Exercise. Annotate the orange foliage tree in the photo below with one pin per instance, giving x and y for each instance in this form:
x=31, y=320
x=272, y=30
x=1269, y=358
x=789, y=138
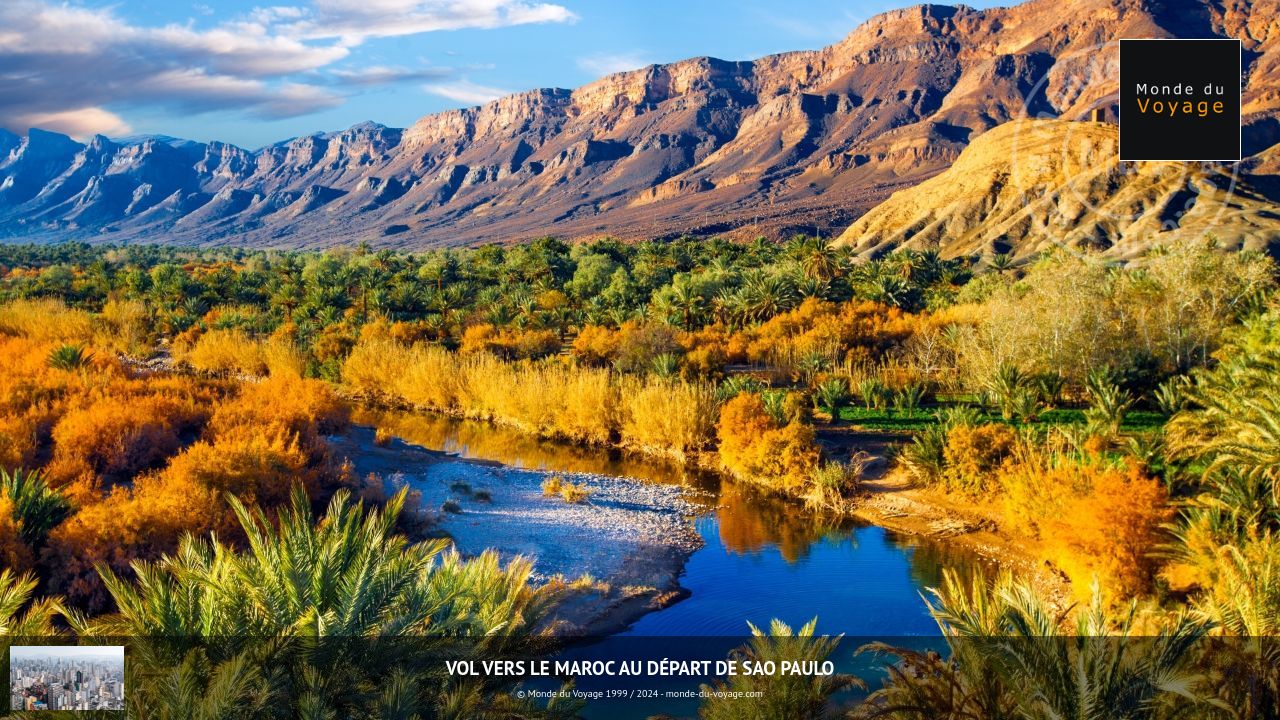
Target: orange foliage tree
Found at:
x=974, y=452
x=754, y=447
x=1111, y=532
x=256, y=444
x=853, y=331
x=595, y=346
x=1094, y=519
x=113, y=439
x=128, y=524
x=509, y=343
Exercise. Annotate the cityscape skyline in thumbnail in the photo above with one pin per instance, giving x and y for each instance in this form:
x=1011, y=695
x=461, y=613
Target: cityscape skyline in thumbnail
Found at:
x=66, y=678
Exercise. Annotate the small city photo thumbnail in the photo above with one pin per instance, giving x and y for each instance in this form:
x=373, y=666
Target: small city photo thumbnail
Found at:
x=66, y=677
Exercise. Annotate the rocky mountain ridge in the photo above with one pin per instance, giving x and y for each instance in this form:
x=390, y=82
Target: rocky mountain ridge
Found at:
x=1032, y=185
x=801, y=141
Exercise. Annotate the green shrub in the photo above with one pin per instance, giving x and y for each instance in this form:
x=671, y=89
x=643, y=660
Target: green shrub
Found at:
x=37, y=507
x=69, y=357
x=1108, y=402
x=908, y=399
x=833, y=482
x=830, y=395
x=874, y=394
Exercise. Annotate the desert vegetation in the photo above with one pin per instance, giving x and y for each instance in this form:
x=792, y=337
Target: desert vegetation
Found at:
x=1116, y=422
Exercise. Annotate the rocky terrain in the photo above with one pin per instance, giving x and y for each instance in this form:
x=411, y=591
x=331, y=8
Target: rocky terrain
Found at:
x=626, y=544
x=1029, y=185
x=801, y=141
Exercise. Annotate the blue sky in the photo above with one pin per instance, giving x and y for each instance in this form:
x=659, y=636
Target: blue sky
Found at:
x=252, y=73
x=66, y=651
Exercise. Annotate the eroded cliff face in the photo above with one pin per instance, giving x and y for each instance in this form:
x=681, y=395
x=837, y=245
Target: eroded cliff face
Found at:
x=797, y=141
x=1032, y=185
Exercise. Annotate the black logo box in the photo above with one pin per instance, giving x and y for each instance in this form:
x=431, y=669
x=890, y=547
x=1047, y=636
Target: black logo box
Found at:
x=1189, y=64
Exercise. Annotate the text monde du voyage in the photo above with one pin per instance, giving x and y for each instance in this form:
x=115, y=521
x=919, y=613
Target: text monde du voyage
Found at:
x=1180, y=99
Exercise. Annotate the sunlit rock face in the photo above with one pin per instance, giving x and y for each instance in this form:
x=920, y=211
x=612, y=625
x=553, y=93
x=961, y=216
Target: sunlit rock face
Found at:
x=803, y=141
x=1031, y=186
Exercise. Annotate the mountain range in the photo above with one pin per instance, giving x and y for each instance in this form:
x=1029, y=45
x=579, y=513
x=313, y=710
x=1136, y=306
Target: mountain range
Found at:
x=805, y=141
x=1030, y=185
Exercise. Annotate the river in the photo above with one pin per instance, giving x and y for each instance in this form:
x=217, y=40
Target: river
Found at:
x=761, y=558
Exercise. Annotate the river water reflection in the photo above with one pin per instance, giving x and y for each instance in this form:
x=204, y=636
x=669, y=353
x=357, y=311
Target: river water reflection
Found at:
x=763, y=558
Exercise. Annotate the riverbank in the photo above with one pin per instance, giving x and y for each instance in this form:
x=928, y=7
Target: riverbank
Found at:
x=886, y=497
x=619, y=553
x=891, y=502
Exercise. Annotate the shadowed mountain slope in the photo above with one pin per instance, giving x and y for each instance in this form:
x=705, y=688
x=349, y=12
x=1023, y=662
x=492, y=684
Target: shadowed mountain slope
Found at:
x=1031, y=184
x=800, y=141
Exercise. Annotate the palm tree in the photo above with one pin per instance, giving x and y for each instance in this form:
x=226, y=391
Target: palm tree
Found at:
x=1100, y=671
x=617, y=316
x=1243, y=602
x=1230, y=422
x=766, y=295
x=819, y=259
x=666, y=365
x=1001, y=263
x=1010, y=658
x=20, y=615
x=363, y=278
x=1236, y=420
x=403, y=296
x=908, y=399
x=922, y=685
x=1246, y=598
x=69, y=357
x=1008, y=389
x=830, y=395
x=196, y=689
x=1108, y=402
x=909, y=264
x=877, y=281
x=727, y=305
x=1170, y=396
x=347, y=575
x=288, y=295
x=931, y=264
x=681, y=302
x=36, y=506
x=760, y=251
x=790, y=696
x=811, y=288
x=325, y=610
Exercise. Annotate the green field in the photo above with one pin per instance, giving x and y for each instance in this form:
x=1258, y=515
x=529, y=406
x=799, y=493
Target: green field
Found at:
x=894, y=420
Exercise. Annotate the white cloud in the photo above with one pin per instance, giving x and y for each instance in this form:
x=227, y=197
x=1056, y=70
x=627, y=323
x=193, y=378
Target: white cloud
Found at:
x=78, y=66
x=355, y=20
x=79, y=123
x=66, y=65
x=384, y=74
x=242, y=49
x=465, y=91
x=609, y=63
